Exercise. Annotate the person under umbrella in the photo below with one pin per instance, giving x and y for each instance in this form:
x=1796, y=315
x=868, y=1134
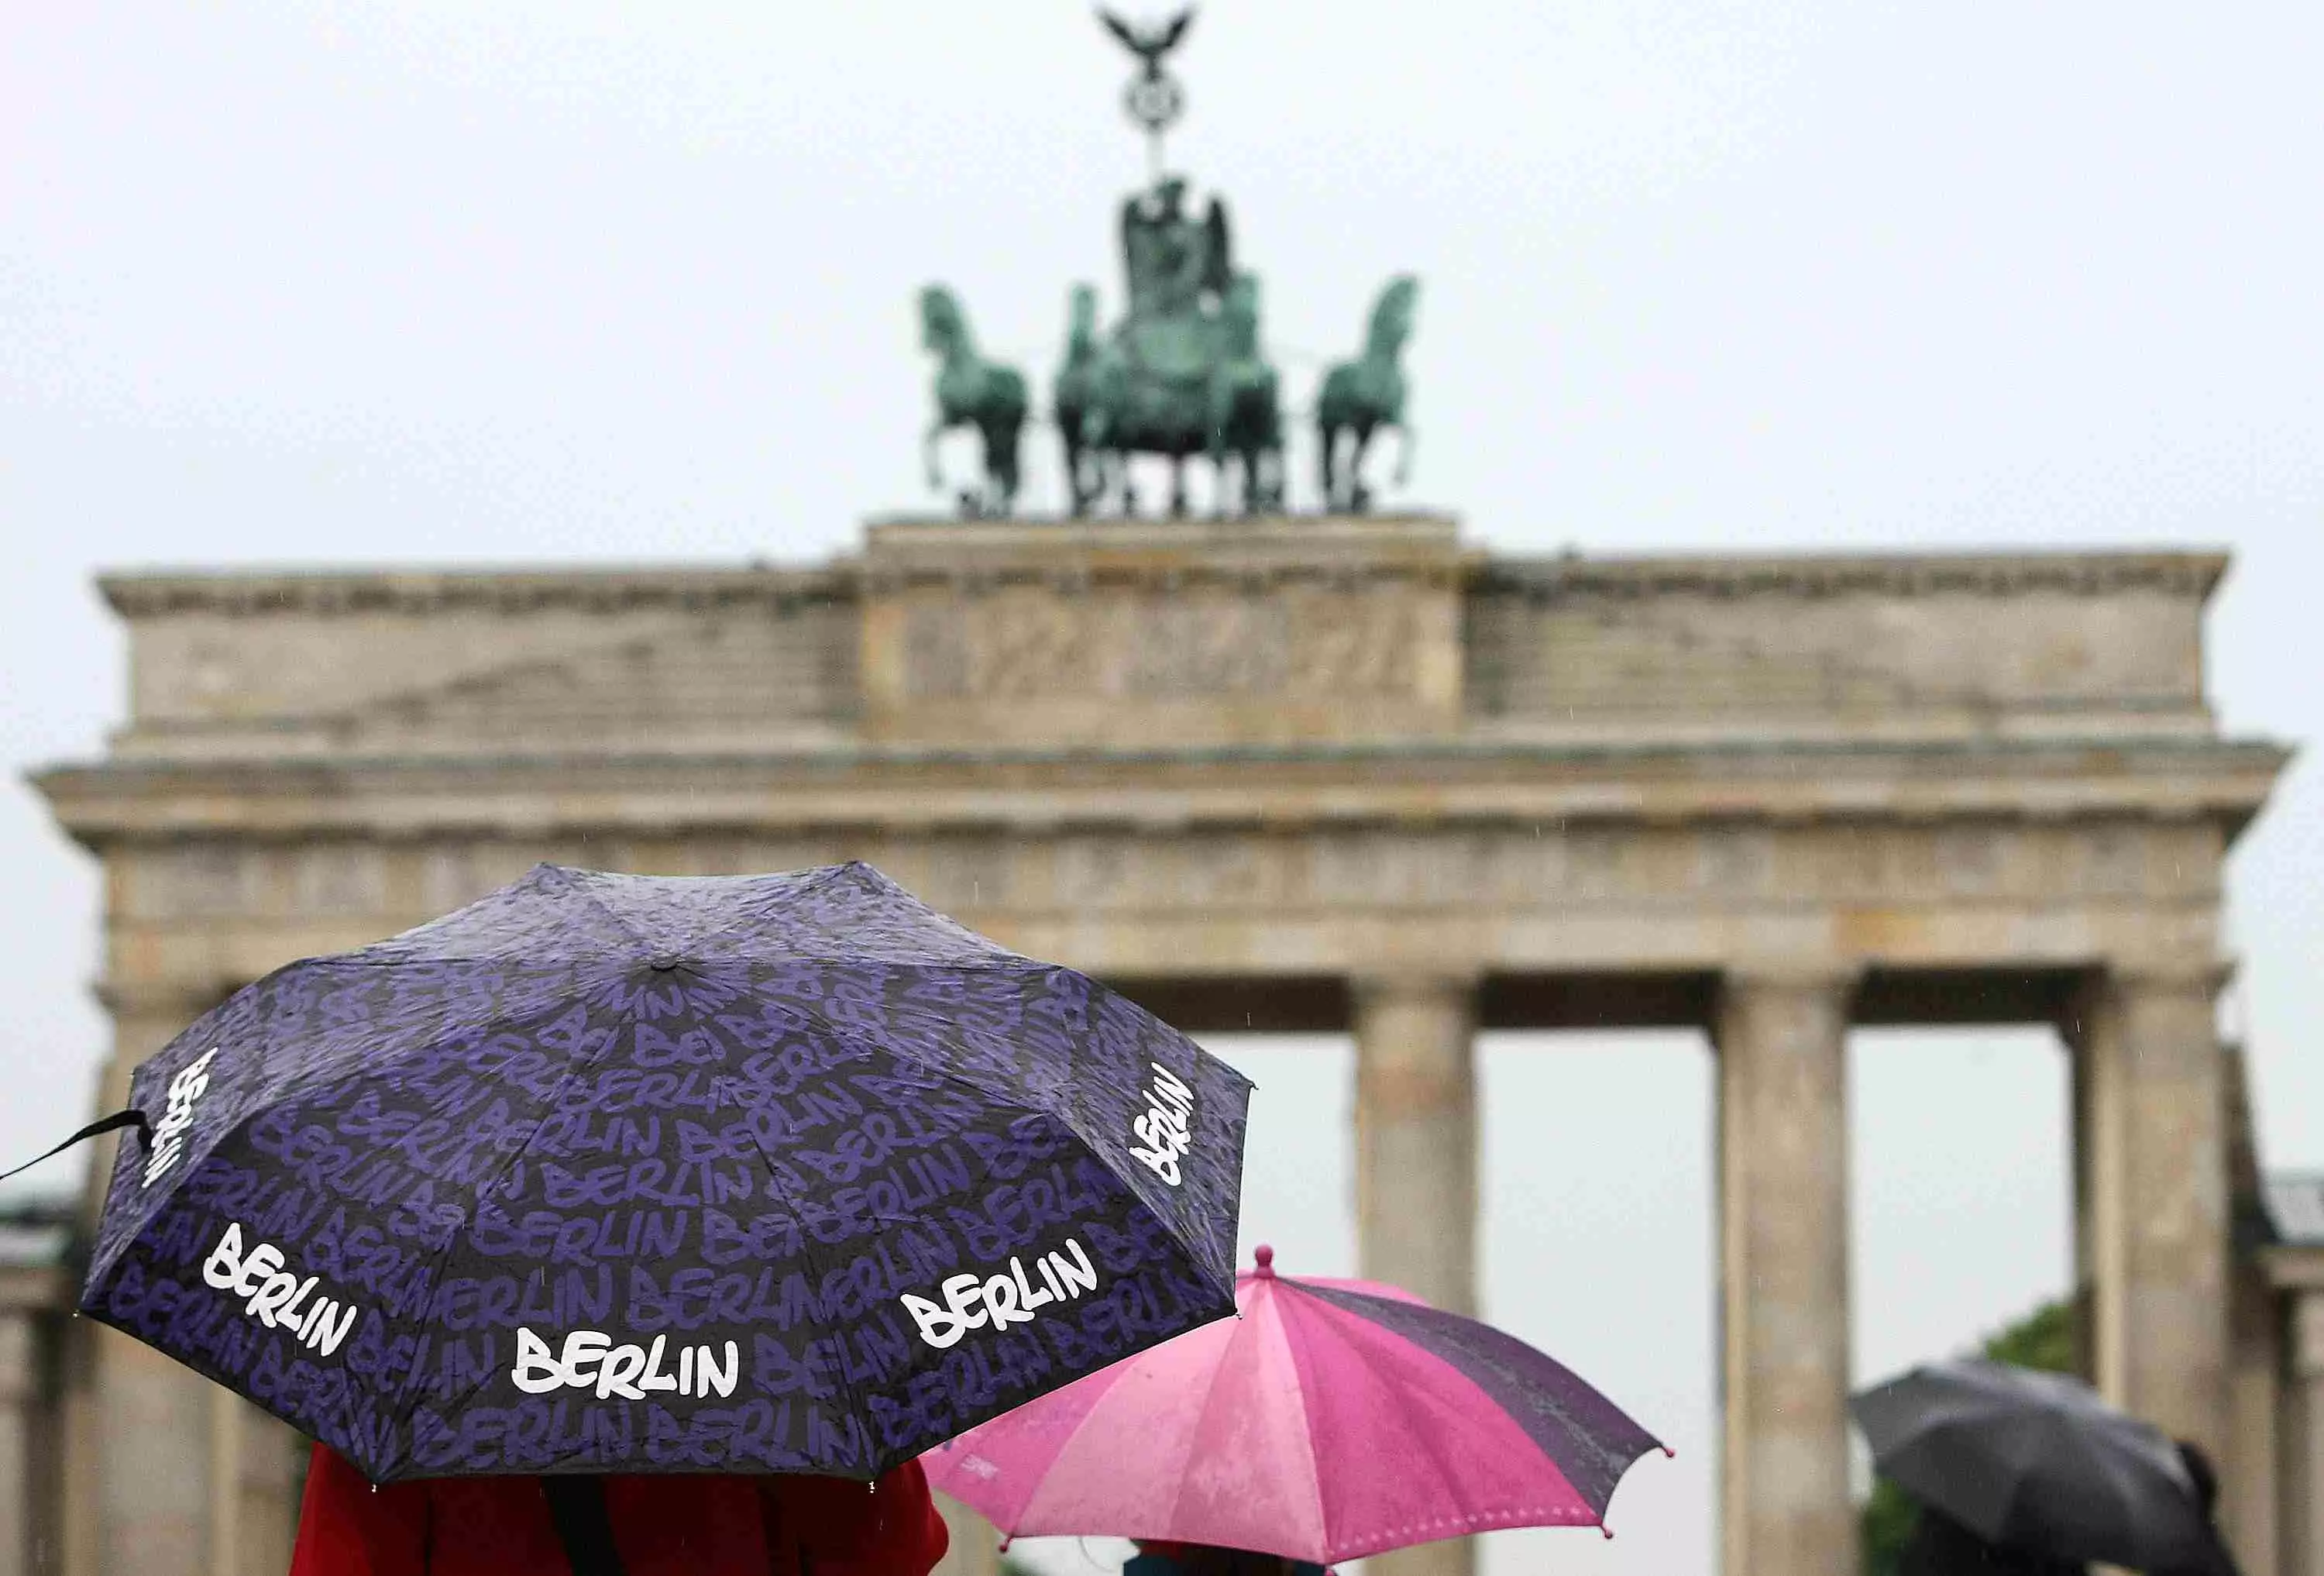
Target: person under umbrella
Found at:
x=1159, y=1558
x=2033, y=1462
x=1336, y=1419
x=1940, y=1546
x=2213, y=1558
x=615, y=1525
x=608, y=1176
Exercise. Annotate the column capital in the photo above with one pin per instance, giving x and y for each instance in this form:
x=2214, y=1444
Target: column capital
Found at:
x=1790, y=972
x=1415, y=984
x=2188, y=974
x=18, y=1379
x=2307, y=1342
x=35, y=1288
x=179, y=997
x=2192, y=979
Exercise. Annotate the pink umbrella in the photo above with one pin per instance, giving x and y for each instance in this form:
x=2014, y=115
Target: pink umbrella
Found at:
x=1331, y=1420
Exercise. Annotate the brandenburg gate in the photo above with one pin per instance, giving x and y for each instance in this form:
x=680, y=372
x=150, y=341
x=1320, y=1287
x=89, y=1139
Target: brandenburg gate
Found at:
x=1318, y=774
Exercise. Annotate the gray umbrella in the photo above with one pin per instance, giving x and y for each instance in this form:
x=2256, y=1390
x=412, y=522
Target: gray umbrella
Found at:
x=2034, y=1462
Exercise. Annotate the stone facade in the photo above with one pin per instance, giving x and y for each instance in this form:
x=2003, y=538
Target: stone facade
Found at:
x=1313, y=774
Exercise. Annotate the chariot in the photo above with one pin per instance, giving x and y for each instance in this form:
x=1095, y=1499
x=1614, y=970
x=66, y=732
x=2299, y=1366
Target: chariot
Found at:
x=1182, y=374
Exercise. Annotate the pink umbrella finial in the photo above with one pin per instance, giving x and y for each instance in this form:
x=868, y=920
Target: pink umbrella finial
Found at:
x=1264, y=1256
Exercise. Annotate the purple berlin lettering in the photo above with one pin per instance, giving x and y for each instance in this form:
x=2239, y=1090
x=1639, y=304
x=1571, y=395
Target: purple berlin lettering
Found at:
x=972, y=1302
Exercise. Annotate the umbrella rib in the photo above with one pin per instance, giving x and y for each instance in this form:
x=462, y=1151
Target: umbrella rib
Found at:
x=861, y=1047
x=1300, y=1369
x=288, y=1083
x=823, y=879
x=856, y=1411
x=1448, y=1473
x=443, y=1258
x=273, y=1090
x=607, y=909
x=1119, y=1369
x=997, y=1092
x=1201, y=1412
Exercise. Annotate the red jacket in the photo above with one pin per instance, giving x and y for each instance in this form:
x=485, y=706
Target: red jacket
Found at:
x=681, y=1525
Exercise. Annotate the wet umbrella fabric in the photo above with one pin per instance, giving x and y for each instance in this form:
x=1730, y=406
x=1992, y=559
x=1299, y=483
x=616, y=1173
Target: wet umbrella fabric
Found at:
x=1336, y=1419
x=2034, y=1462
x=627, y=1174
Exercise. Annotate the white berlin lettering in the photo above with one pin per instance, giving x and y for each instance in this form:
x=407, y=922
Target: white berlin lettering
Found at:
x=169, y=1132
x=1169, y=1108
x=972, y=1302
x=273, y=1295
x=590, y=1360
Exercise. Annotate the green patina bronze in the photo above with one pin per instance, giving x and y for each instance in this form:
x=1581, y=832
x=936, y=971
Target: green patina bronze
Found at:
x=1183, y=374
x=1362, y=396
x=972, y=391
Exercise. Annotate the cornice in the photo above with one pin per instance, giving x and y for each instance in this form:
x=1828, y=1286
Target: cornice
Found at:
x=334, y=592
x=1064, y=553
x=1808, y=758
x=1905, y=574
x=2223, y=783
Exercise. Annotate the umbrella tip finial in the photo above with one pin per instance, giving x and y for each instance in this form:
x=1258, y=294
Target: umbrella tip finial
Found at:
x=1607, y=1530
x=1264, y=1256
x=1669, y=1455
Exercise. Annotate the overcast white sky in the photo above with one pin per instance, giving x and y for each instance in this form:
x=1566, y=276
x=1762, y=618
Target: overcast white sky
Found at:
x=443, y=281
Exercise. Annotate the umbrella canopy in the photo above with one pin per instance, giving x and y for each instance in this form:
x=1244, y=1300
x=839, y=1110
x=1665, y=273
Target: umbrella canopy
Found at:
x=2034, y=1462
x=619, y=1173
x=1334, y=1419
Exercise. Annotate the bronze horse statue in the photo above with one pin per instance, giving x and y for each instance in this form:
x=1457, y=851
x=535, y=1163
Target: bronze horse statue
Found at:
x=972, y=391
x=1076, y=397
x=1246, y=416
x=1362, y=397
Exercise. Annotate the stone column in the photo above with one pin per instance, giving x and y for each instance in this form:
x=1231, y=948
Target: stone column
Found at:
x=2153, y=1205
x=2301, y=1492
x=1782, y=1040
x=138, y=1425
x=2250, y=1470
x=19, y=1387
x=974, y=1548
x=1416, y=1137
x=1416, y=1168
x=254, y=1462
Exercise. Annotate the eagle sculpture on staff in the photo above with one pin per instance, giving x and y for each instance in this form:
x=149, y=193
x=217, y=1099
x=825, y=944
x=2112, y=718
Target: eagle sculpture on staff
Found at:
x=1182, y=373
x=1150, y=45
x=1154, y=99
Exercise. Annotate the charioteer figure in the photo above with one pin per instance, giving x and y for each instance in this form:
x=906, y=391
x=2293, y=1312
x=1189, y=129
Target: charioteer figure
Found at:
x=1185, y=372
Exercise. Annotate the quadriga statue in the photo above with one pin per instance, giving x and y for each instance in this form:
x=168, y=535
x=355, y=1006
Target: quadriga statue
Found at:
x=1075, y=398
x=1246, y=416
x=972, y=391
x=1362, y=397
